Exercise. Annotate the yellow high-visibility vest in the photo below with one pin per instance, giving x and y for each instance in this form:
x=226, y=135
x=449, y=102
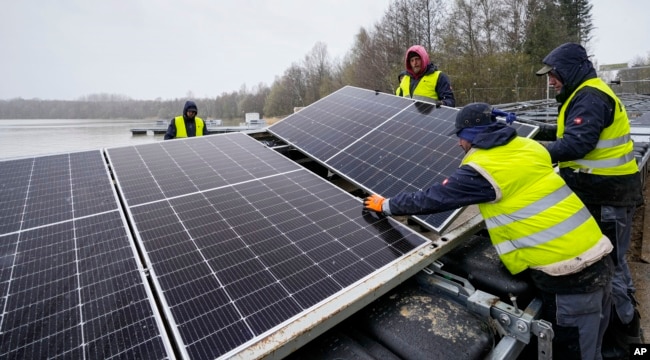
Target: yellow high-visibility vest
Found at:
x=536, y=220
x=425, y=88
x=614, y=153
x=181, y=132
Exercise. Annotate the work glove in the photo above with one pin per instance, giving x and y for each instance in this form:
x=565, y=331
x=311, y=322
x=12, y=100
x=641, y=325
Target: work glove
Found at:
x=438, y=103
x=373, y=202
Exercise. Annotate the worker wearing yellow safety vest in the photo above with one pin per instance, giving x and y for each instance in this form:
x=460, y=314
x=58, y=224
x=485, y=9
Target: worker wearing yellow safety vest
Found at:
x=594, y=152
x=423, y=79
x=536, y=224
x=186, y=125
x=399, y=91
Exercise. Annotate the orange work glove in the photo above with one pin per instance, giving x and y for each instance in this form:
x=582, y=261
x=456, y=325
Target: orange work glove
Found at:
x=373, y=203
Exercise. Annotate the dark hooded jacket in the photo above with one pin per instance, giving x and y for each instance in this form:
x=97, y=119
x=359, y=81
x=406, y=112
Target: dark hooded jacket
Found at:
x=190, y=124
x=443, y=86
x=572, y=66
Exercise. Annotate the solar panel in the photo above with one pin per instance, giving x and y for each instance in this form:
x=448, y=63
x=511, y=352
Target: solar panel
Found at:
x=407, y=150
x=336, y=121
x=268, y=242
x=70, y=282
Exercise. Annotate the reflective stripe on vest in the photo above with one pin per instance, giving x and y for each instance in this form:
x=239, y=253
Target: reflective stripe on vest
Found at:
x=426, y=87
x=614, y=153
x=544, y=236
x=537, y=220
x=181, y=132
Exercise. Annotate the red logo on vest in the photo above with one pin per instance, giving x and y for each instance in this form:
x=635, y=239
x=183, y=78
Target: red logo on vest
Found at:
x=577, y=121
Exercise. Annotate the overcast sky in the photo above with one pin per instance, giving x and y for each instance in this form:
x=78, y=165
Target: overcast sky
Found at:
x=148, y=49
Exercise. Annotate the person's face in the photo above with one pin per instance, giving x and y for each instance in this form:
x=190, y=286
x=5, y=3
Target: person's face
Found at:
x=555, y=82
x=416, y=64
x=466, y=145
x=191, y=114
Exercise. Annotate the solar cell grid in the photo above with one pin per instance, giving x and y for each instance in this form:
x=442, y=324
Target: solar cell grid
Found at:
x=329, y=125
x=406, y=153
x=238, y=260
x=407, y=150
x=152, y=172
x=70, y=285
x=15, y=181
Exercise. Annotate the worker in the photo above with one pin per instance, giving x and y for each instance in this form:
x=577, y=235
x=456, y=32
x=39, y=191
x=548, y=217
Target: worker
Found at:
x=186, y=125
x=424, y=81
x=400, y=76
x=535, y=222
x=595, y=155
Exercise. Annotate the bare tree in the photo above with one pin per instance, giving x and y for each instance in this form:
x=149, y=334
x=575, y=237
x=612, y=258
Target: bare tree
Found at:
x=317, y=71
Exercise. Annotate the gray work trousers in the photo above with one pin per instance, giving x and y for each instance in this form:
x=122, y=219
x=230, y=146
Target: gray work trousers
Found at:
x=616, y=223
x=579, y=322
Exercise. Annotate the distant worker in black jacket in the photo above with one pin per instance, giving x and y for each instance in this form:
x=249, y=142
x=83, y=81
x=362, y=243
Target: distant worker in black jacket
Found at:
x=186, y=125
x=423, y=80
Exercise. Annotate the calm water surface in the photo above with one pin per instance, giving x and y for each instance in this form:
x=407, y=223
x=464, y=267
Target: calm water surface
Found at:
x=23, y=138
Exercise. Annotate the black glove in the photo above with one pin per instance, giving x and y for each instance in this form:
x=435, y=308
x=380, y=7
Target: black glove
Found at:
x=438, y=103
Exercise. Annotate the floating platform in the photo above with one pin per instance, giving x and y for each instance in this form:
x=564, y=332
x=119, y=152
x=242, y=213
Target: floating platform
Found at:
x=145, y=131
x=213, y=130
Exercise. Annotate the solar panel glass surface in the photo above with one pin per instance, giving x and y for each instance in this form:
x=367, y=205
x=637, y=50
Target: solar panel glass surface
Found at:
x=71, y=284
x=404, y=146
x=237, y=261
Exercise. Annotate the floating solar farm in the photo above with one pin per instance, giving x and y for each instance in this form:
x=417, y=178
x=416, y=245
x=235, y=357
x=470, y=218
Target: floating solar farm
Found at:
x=219, y=246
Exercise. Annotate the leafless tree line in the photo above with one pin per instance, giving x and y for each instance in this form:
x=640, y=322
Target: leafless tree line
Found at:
x=490, y=49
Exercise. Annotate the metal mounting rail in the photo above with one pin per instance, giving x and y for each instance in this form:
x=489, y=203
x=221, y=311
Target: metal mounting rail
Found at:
x=513, y=324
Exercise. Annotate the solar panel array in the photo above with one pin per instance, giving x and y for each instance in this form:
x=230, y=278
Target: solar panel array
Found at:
x=204, y=247
x=383, y=143
x=239, y=239
x=70, y=282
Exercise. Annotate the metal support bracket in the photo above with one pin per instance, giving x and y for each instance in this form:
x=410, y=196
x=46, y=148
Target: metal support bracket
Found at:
x=512, y=322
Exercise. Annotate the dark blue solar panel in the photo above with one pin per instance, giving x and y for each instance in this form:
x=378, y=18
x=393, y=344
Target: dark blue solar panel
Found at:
x=157, y=171
x=15, y=177
x=70, y=282
x=407, y=151
x=267, y=244
x=336, y=121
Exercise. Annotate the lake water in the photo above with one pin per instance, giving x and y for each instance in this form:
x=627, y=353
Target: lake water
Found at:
x=23, y=138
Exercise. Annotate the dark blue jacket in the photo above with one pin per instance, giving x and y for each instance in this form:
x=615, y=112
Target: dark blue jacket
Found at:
x=464, y=187
x=190, y=126
x=596, y=111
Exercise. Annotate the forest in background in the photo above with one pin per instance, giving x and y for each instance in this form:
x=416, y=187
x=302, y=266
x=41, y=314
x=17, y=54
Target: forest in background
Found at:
x=490, y=49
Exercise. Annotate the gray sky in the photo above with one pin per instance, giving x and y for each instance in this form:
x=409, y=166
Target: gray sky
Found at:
x=148, y=49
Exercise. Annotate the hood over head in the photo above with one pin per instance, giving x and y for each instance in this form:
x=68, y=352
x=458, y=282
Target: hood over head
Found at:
x=420, y=51
x=570, y=63
x=189, y=105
